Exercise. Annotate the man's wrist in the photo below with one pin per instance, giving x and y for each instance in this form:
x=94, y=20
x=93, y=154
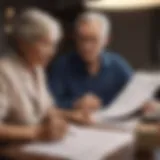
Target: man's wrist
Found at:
x=66, y=114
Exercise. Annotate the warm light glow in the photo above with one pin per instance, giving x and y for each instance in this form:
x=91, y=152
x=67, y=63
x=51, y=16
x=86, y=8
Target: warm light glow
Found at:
x=9, y=12
x=121, y=4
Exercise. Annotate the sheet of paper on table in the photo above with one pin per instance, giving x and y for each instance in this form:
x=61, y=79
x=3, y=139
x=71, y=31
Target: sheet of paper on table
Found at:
x=83, y=144
x=140, y=89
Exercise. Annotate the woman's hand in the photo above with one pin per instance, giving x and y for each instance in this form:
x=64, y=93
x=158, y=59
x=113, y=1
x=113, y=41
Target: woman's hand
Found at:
x=55, y=128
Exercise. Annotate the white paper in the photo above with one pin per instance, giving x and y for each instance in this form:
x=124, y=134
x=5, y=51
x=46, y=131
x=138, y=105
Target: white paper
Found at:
x=128, y=125
x=156, y=154
x=140, y=89
x=83, y=144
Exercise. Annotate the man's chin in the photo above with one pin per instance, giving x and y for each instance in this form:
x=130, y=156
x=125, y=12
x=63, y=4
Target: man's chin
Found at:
x=89, y=60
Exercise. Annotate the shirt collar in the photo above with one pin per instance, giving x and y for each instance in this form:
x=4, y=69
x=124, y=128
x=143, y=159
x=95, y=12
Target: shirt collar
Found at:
x=104, y=62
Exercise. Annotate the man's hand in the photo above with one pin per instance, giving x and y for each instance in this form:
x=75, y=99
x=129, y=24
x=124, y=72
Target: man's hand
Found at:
x=151, y=107
x=88, y=103
x=77, y=116
x=80, y=117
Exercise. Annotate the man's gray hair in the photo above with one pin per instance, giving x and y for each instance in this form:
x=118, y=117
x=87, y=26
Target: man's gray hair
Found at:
x=33, y=24
x=100, y=18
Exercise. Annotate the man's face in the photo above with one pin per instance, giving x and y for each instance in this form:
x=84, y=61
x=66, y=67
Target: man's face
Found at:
x=89, y=40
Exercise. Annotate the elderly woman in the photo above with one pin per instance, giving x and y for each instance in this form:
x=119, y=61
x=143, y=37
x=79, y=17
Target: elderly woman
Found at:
x=26, y=109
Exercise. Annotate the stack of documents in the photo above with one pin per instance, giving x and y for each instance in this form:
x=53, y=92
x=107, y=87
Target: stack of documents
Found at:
x=139, y=90
x=83, y=144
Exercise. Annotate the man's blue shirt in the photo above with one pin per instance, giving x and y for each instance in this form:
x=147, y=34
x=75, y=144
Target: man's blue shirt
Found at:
x=69, y=80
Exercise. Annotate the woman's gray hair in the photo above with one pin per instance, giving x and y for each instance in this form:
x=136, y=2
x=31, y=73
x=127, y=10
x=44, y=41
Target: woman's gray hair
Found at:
x=98, y=17
x=33, y=24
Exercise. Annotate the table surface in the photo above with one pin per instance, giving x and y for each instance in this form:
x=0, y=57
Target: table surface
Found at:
x=16, y=154
x=147, y=138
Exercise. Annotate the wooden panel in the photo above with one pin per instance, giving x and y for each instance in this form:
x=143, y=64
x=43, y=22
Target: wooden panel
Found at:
x=131, y=36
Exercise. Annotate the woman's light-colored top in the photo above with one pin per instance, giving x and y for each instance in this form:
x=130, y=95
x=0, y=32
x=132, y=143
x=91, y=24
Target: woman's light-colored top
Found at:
x=24, y=98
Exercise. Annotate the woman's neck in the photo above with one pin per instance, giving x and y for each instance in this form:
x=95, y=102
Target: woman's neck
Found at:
x=23, y=58
x=29, y=65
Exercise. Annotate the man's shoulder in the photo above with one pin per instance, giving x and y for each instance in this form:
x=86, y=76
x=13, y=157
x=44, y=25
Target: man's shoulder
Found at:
x=112, y=58
x=118, y=63
x=112, y=55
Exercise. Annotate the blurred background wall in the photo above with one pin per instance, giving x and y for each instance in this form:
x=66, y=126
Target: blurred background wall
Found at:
x=135, y=33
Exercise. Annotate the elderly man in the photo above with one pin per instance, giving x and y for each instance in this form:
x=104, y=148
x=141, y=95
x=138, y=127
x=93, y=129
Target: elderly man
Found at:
x=90, y=77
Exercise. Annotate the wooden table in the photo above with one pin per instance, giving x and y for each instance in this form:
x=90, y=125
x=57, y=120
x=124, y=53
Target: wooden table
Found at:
x=14, y=153
x=147, y=139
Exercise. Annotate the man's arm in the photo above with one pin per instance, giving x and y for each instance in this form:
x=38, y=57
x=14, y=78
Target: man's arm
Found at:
x=76, y=116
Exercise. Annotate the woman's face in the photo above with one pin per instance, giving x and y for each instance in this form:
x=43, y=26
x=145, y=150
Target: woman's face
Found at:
x=41, y=51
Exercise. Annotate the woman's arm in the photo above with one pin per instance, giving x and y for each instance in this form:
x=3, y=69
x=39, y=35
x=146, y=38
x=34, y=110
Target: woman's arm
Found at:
x=54, y=127
x=18, y=133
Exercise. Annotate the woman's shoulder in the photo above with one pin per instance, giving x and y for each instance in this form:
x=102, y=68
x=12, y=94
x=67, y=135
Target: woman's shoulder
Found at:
x=7, y=62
